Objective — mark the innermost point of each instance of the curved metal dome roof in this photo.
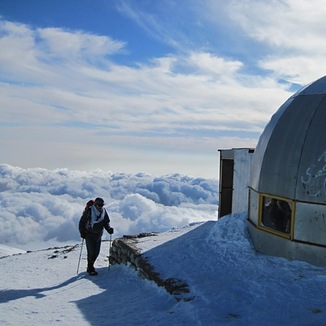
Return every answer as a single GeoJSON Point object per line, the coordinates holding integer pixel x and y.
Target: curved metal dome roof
{"type": "Point", "coordinates": [290, 158]}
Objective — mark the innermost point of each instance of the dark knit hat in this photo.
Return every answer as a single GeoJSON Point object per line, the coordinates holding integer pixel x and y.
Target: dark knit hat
{"type": "Point", "coordinates": [99, 201]}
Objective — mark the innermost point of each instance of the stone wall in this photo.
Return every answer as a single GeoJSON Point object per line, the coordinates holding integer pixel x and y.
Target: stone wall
{"type": "Point", "coordinates": [125, 251]}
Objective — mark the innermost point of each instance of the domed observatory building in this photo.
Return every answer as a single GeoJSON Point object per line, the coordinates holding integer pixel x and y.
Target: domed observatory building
{"type": "Point", "coordinates": [287, 188]}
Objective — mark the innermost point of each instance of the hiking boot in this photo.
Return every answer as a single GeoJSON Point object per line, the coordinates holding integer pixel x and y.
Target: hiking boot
{"type": "Point", "coordinates": [92, 273]}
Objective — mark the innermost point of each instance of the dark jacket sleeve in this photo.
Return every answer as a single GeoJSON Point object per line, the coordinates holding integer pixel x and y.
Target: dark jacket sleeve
{"type": "Point", "coordinates": [106, 222]}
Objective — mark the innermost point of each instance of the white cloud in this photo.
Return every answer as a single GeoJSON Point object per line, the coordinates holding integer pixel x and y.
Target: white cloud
{"type": "Point", "coordinates": [40, 205]}
{"type": "Point", "coordinates": [211, 64]}
{"type": "Point", "coordinates": [60, 43]}
{"type": "Point", "coordinates": [292, 33]}
{"type": "Point", "coordinates": [287, 25]}
{"type": "Point", "coordinates": [129, 102]}
{"type": "Point", "coordinates": [296, 68]}
{"type": "Point", "coordinates": [69, 95]}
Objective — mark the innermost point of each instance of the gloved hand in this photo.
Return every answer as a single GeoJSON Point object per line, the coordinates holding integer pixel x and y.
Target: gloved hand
{"type": "Point", "coordinates": [83, 235]}
{"type": "Point", "coordinates": [110, 230]}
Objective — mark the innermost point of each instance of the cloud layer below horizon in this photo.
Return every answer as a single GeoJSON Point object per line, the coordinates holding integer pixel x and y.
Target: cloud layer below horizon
{"type": "Point", "coordinates": [40, 205]}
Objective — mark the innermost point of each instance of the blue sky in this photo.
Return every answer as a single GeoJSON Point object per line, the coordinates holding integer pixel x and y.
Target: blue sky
{"type": "Point", "coordinates": [148, 86]}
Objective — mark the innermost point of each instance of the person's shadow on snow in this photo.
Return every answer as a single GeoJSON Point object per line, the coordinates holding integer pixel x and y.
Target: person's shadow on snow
{"type": "Point", "coordinates": [14, 294]}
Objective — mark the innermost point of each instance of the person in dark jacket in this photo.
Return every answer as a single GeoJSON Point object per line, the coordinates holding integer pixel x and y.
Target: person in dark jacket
{"type": "Point", "coordinates": [94, 219]}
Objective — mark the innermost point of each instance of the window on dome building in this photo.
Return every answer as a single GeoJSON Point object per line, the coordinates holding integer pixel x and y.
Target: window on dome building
{"type": "Point", "coordinates": [276, 214]}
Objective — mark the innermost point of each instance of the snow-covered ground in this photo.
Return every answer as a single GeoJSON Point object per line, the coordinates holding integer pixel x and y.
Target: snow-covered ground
{"type": "Point", "coordinates": [229, 282]}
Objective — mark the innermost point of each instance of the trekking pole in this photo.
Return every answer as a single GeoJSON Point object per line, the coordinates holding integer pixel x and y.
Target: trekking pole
{"type": "Point", "coordinates": [81, 249]}
{"type": "Point", "coordinates": [110, 241]}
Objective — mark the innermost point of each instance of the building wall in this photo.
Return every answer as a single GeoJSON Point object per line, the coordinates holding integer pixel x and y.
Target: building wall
{"type": "Point", "coordinates": [242, 163]}
{"type": "Point", "coordinates": [289, 166]}
{"type": "Point", "coordinates": [233, 196]}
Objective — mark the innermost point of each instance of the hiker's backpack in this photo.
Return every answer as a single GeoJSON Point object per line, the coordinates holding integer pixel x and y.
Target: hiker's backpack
{"type": "Point", "coordinates": [89, 204]}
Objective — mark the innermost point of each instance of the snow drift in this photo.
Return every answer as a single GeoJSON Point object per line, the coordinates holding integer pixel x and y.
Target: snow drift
{"type": "Point", "coordinates": [231, 284]}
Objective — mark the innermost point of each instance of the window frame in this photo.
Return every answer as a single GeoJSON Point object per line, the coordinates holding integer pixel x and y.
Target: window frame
{"type": "Point", "coordinates": [274, 230]}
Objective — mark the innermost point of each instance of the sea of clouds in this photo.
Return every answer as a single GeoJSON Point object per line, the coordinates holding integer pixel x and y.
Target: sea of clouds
{"type": "Point", "coordinates": [40, 205]}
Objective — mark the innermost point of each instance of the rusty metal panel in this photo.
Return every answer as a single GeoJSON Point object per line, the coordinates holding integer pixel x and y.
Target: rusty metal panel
{"type": "Point", "coordinates": [279, 170]}
{"type": "Point", "coordinates": [312, 171]}
{"type": "Point", "coordinates": [270, 244]}
{"type": "Point", "coordinates": [290, 163]}
{"type": "Point", "coordinates": [290, 158]}
{"type": "Point", "coordinates": [310, 223]}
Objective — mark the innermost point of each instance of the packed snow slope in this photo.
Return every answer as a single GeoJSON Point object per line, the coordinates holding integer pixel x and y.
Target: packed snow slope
{"type": "Point", "coordinates": [230, 284]}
